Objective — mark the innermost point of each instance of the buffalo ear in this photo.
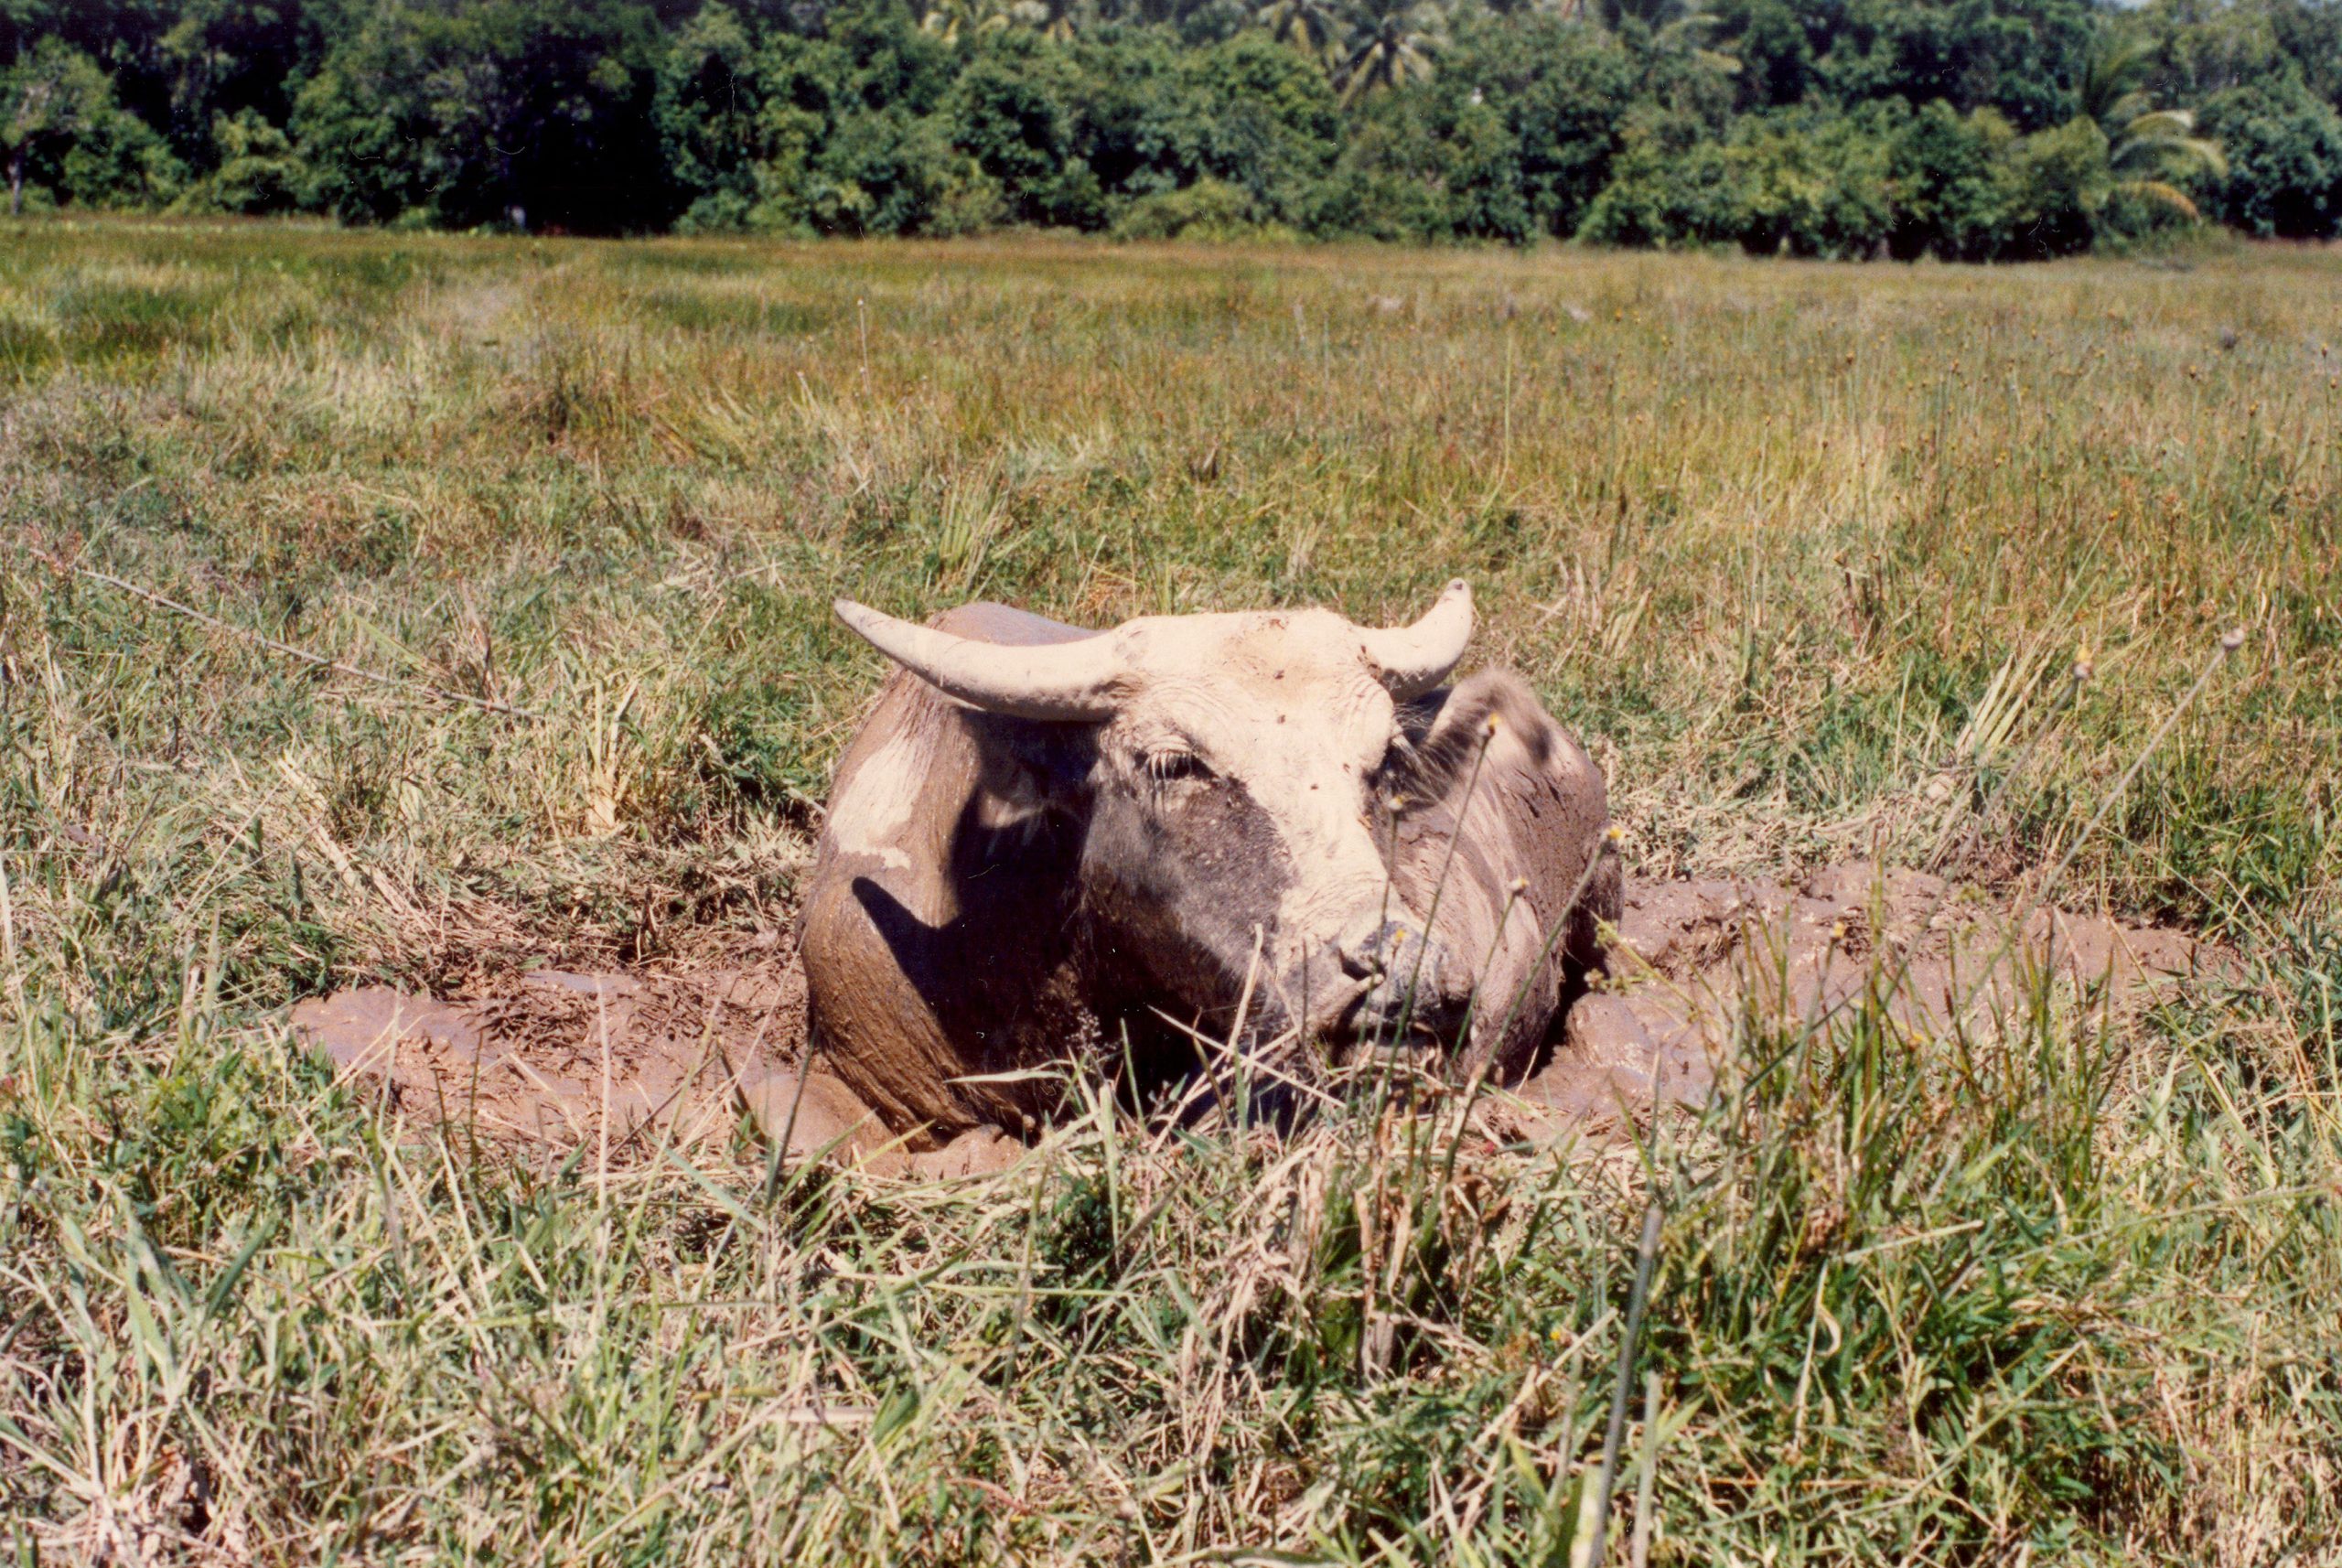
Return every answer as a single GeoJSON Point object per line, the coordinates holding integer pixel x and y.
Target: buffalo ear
{"type": "Point", "coordinates": [1031, 797]}
{"type": "Point", "coordinates": [1055, 764]}
{"type": "Point", "coordinates": [1446, 729]}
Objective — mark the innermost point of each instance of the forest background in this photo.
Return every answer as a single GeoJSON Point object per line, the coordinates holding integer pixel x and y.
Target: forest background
{"type": "Point", "coordinates": [1963, 129]}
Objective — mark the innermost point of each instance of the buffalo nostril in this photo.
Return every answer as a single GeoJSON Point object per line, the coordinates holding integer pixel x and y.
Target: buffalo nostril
{"type": "Point", "coordinates": [1369, 953]}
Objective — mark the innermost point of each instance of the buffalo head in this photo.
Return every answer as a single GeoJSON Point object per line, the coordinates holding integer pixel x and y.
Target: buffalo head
{"type": "Point", "coordinates": [1234, 780]}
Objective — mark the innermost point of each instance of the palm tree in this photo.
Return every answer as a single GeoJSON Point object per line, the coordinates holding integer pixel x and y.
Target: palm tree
{"type": "Point", "coordinates": [1677, 27]}
{"type": "Point", "coordinates": [1310, 26]}
{"type": "Point", "coordinates": [1391, 43]}
{"type": "Point", "coordinates": [948, 19]}
{"type": "Point", "coordinates": [2148, 150]}
{"type": "Point", "coordinates": [1052, 19]}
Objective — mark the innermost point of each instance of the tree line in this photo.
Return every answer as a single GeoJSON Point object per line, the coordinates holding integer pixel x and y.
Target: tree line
{"type": "Point", "coordinates": [1964, 128]}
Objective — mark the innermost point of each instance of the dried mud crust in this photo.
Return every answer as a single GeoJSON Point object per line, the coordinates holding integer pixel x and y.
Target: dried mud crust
{"type": "Point", "coordinates": [560, 1059]}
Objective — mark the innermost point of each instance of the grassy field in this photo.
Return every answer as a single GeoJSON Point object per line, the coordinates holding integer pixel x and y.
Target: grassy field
{"type": "Point", "coordinates": [1805, 553]}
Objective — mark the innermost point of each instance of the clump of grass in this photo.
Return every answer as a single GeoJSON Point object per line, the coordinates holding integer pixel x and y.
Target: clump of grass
{"type": "Point", "coordinates": [1801, 551]}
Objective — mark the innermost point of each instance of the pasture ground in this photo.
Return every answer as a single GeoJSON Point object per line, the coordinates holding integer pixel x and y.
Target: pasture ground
{"type": "Point", "coordinates": [1808, 555]}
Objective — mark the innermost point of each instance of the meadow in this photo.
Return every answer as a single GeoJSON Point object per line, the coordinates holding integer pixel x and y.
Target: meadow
{"type": "Point", "coordinates": [1931, 563]}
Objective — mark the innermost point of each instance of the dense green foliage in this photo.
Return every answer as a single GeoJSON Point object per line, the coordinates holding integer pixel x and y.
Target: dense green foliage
{"type": "Point", "coordinates": [1961, 128]}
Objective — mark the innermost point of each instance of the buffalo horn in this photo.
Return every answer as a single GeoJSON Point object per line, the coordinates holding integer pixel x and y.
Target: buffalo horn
{"type": "Point", "coordinates": [1053, 680]}
{"type": "Point", "coordinates": [1411, 659]}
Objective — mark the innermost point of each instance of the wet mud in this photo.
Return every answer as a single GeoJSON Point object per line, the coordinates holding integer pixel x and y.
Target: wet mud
{"type": "Point", "coordinates": [1697, 965]}
{"type": "Point", "coordinates": [627, 1062]}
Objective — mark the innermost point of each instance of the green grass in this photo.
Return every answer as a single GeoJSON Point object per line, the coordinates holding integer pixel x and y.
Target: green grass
{"type": "Point", "coordinates": [1785, 543]}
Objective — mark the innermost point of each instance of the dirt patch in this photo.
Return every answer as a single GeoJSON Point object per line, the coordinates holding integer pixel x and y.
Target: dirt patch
{"type": "Point", "coordinates": [552, 1057]}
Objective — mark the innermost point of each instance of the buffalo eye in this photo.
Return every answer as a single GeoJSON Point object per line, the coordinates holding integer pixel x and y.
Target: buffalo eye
{"type": "Point", "coordinates": [1396, 770]}
{"type": "Point", "coordinates": [1170, 764]}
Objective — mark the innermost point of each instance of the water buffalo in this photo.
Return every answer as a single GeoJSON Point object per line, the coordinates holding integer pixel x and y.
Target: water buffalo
{"type": "Point", "coordinates": [1043, 840]}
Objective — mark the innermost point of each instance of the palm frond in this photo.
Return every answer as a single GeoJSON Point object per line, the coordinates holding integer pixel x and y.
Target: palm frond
{"type": "Point", "coordinates": [2173, 122]}
{"type": "Point", "coordinates": [2163, 194]}
{"type": "Point", "coordinates": [2172, 155]}
{"type": "Point", "coordinates": [2114, 74]}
